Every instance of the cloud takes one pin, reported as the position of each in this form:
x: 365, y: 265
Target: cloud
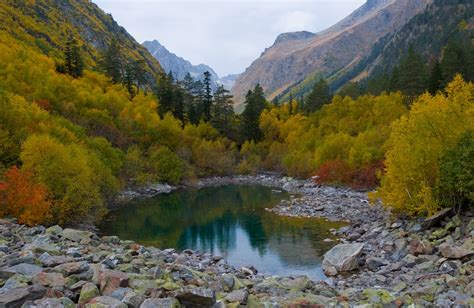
x: 227, y: 34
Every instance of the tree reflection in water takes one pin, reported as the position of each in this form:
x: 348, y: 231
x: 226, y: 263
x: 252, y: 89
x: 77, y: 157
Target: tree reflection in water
x: 230, y: 221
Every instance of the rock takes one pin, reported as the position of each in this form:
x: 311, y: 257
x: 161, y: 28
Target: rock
x: 46, y: 303
x: 160, y: 303
x: 110, y: 280
x: 49, y: 279
x: 76, y: 235
x: 51, y: 261
x: 72, y: 268
x: 423, y: 247
x: 25, y: 269
x: 16, y: 297
x: 105, y: 302
x: 197, y: 296
x: 374, y: 263
x: 88, y: 292
x: 454, y: 252
x: 132, y: 299
x: 237, y: 296
x: 54, y: 230
x: 432, y: 221
x: 343, y: 257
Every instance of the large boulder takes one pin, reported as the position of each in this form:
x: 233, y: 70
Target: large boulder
x: 49, y: 279
x: 197, y: 297
x: 456, y: 252
x: 342, y: 258
x: 160, y: 302
x: 76, y: 235
x: 434, y: 220
x: 110, y: 280
x: 16, y: 297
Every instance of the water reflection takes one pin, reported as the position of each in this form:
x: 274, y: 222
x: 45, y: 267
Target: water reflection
x: 228, y: 221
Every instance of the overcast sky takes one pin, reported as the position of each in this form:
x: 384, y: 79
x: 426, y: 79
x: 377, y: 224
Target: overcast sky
x: 226, y: 34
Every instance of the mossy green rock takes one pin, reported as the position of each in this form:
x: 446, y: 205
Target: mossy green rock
x: 378, y: 296
x: 88, y: 292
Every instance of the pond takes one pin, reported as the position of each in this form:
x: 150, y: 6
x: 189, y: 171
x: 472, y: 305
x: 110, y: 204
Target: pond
x: 229, y: 221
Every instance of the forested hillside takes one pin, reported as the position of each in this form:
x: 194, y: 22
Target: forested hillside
x: 46, y: 25
x: 442, y: 24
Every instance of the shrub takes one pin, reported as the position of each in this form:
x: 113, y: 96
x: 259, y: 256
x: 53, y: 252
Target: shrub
x: 335, y: 172
x: 77, y: 180
x: 165, y: 165
x: 22, y: 197
x: 418, y: 141
x: 456, y: 183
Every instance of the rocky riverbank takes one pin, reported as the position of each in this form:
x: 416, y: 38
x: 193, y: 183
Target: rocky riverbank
x: 380, y: 261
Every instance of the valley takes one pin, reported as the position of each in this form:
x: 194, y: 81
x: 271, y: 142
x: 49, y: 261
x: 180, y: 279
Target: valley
x: 335, y: 171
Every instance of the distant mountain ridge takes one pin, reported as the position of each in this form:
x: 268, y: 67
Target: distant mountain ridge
x: 178, y: 65
x: 296, y: 59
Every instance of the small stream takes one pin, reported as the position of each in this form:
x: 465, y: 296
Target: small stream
x: 229, y: 221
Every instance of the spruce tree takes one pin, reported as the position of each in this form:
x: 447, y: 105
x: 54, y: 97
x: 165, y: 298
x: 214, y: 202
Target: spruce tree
x: 319, y: 96
x: 207, y: 99
x: 436, y: 78
x: 73, y: 64
x: 222, y: 111
x: 112, y: 62
x: 255, y: 103
x: 164, y: 93
x: 413, y: 79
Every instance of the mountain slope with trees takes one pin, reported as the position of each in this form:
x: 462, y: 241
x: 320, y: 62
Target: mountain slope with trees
x: 299, y: 59
x: 47, y: 24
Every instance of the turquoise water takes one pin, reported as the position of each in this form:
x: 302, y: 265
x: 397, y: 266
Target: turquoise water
x: 230, y: 221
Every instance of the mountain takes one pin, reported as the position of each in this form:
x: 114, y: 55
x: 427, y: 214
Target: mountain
x: 427, y: 33
x: 47, y: 24
x: 177, y: 65
x: 298, y: 58
x: 228, y: 81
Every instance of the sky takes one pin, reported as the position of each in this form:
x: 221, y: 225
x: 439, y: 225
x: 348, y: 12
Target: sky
x: 227, y: 34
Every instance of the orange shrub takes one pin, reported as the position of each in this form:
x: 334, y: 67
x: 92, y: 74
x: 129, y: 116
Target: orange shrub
x: 22, y: 197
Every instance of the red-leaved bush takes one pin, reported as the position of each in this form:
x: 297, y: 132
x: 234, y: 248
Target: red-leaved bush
x: 23, y: 198
x: 339, y: 172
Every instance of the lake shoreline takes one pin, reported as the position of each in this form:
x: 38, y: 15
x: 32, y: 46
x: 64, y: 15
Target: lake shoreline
x: 398, y: 262
x: 402, y: 260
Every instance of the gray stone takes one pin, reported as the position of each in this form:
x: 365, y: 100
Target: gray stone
x: 16, y: 297
x: 72, y: 268
x: 237, y: 296
x: 434, y: 220
x: 454, y: 252
x: 343, y: 257
x: 160, y: 303
x: 374, y: 263
x: 132, y: 299
x: 25, y: 269
x: 76, y: 235
x: 197, y: 296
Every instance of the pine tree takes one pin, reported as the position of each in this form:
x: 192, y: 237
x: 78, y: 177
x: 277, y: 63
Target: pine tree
x: 413, y: 75
x: 222, y: 111
x: 255, y: 103
x: 73, y: 64
x: 436, y: 78
x: 112, y: 62
x: 319, y: 96
x: 454, y: 60
x: 207, y: 99
x: 164, y: 93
